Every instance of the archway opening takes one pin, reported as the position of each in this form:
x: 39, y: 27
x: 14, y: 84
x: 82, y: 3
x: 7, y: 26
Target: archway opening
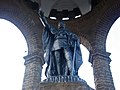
x: 86, y: 70
x: 113, y: 46
x: 12, y: 49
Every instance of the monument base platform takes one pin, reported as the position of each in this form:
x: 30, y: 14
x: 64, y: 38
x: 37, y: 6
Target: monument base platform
x: 56, y: 83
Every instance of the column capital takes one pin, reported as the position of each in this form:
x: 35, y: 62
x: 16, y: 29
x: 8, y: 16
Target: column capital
x: 34, y: 57
x: 99, y: 53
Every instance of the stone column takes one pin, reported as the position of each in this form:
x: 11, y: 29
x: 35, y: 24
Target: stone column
x: 33, y: 70
x: 101, y: 69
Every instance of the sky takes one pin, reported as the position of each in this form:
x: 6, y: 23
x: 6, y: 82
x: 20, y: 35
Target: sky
x: 13, y: 48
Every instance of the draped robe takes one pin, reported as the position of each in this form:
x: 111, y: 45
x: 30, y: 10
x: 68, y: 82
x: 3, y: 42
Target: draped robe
x: 48, y: 41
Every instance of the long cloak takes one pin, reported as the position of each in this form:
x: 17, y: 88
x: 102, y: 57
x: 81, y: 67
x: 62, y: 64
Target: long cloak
x: 48, y: 39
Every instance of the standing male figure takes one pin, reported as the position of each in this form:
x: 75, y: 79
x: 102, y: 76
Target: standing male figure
x: 62, y: 49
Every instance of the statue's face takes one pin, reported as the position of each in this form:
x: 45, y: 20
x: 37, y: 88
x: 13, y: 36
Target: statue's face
x: 61, y: 24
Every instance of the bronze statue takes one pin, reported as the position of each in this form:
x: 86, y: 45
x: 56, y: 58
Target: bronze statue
x: 62, y: 49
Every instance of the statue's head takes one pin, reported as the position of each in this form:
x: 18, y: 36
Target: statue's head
x: 61, y: 24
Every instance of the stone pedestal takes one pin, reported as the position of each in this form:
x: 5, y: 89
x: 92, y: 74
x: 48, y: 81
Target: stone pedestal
x: 66, y: 83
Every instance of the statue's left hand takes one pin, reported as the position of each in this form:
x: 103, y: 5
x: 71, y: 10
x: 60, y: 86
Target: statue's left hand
x: 74, y: 37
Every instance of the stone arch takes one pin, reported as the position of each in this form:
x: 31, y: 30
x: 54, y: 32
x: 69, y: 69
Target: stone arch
x: 113, y: 46
x: 102, y: 28
x: 26, y: 24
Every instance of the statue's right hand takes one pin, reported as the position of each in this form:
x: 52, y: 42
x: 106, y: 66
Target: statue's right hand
x: 42, y: 18
x: 41, y: 13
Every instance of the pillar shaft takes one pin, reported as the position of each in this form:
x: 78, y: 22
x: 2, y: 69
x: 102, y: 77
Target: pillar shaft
x: 101, y: 69
x: 33, y: 70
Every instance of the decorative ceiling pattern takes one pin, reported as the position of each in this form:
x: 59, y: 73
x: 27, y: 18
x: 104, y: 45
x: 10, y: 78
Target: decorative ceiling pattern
x: 63, y: 8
